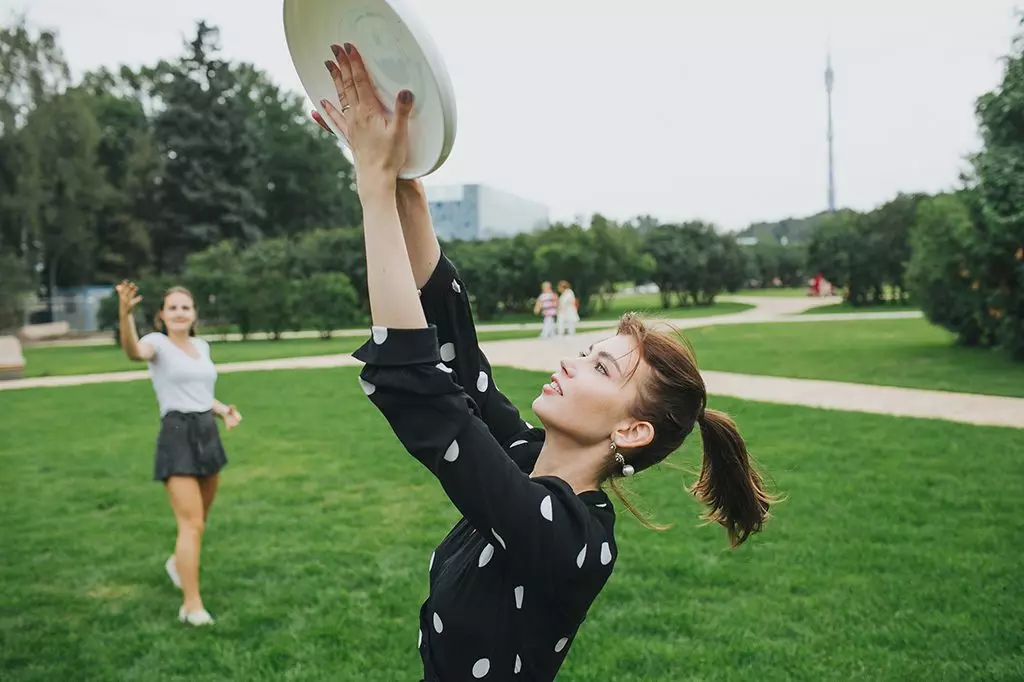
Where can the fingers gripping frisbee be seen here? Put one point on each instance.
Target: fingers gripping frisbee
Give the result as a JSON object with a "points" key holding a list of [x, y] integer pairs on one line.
{"points": [[399, 55]]}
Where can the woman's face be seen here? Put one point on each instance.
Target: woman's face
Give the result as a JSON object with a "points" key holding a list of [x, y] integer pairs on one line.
{"points": [[589, 398], [178, 313]]}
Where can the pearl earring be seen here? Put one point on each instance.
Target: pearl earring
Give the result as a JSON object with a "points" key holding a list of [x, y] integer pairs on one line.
{"points": [[627, 469]]}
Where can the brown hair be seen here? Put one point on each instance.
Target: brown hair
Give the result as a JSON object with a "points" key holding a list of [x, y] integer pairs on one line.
{"points": [[563, 285], [674, 400], [159, 324]]}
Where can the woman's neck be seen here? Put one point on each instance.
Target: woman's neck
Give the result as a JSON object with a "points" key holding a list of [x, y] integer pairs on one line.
{"points": [[576, 464], [180, 338]]}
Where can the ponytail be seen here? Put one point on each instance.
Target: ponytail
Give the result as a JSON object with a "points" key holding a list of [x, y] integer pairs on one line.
{"points": [[728, 484]]}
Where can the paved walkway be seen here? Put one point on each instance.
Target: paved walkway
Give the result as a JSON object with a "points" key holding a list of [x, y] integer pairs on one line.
{"points": [[544, 355]]}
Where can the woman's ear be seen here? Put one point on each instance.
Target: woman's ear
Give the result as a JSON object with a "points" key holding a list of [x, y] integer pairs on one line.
{"points": [[634, 434]]}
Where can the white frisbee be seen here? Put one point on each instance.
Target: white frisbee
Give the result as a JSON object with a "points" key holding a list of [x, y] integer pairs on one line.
{"points": [[399, 54]]}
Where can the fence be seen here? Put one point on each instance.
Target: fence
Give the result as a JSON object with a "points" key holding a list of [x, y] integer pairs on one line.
{"points": [[78, 308]]}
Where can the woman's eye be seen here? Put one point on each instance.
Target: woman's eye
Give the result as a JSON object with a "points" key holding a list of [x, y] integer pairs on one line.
{"points": [[601, 368]]}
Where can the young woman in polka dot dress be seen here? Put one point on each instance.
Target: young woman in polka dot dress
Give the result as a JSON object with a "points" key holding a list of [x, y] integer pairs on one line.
{"points": [[512, 582]]}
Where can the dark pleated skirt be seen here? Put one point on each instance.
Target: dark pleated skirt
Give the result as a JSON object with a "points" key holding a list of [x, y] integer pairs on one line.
{"points": [[188, 445]]}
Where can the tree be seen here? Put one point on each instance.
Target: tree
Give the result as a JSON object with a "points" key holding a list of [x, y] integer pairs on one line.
{"points": [[498, 275], [968, 251], [694, 263], [845, 251], [672, 255], [329, 302], [131, 164], [888, 229], [618, 249], [999, 222], [208, 188], [939, 271], [304, 181], [215, 278], [272, 290], [335, 250], [769, 260], [65, 136], [32, 71]]}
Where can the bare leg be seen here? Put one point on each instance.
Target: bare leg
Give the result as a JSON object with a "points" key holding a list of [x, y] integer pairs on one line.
{"points": [[187, 503], [208, 489]]}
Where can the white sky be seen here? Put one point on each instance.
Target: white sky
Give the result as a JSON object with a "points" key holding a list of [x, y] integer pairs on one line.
{"points": [[683, 109]]}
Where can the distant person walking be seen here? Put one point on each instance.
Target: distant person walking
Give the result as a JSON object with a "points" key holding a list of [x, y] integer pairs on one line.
{"points": [[568, 309], [546, 305]]}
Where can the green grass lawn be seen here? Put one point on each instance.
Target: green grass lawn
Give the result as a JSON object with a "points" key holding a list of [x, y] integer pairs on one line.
{"points": [[66, 360], [894, 557], [910, 353], [844, 307]]}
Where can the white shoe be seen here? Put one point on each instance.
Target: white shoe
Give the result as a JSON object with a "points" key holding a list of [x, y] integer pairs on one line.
{"points": [[172, 571], [201, 617]]}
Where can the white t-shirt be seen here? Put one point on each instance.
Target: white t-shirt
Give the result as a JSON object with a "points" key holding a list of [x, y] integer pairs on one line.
{"points": [[182, 383], [567, 306]]}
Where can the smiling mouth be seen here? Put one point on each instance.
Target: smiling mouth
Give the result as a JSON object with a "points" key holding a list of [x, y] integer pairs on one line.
{"points": [[553, 387]]}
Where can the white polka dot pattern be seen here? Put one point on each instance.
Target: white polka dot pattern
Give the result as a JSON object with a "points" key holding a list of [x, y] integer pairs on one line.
{"points": [[481, 382], [606, 554], [452, 453], [438, 625], [519, 596], [581, 557], [545, 508], [560, 644], [380, 334], [481, 668], [367, 387], [499, 539], [448, 352], [485, 555]]}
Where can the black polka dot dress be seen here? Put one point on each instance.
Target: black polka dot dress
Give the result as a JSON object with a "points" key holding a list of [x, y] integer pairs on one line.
{"points": [[512, 582]]}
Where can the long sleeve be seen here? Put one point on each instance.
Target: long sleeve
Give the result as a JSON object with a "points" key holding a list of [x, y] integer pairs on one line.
{"points": [[542, 525], [446, 304]]}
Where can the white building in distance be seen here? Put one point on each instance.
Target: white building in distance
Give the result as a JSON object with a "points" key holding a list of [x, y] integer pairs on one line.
{"points": [[479, 212]]}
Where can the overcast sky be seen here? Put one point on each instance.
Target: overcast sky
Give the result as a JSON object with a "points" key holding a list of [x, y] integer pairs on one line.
{"points": [[709, 109]]}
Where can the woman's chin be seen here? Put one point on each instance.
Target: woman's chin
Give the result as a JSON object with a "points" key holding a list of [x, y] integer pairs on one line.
{"points": [[544, 406]]}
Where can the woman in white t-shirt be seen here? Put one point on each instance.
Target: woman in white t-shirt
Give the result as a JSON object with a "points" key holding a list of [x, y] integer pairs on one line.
{"points": [[189, 453]]}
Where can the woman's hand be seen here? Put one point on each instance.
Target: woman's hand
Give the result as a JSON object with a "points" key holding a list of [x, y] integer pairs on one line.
{"points": [[407, 188], [379, 141], [127, 298], [231, 416]]}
